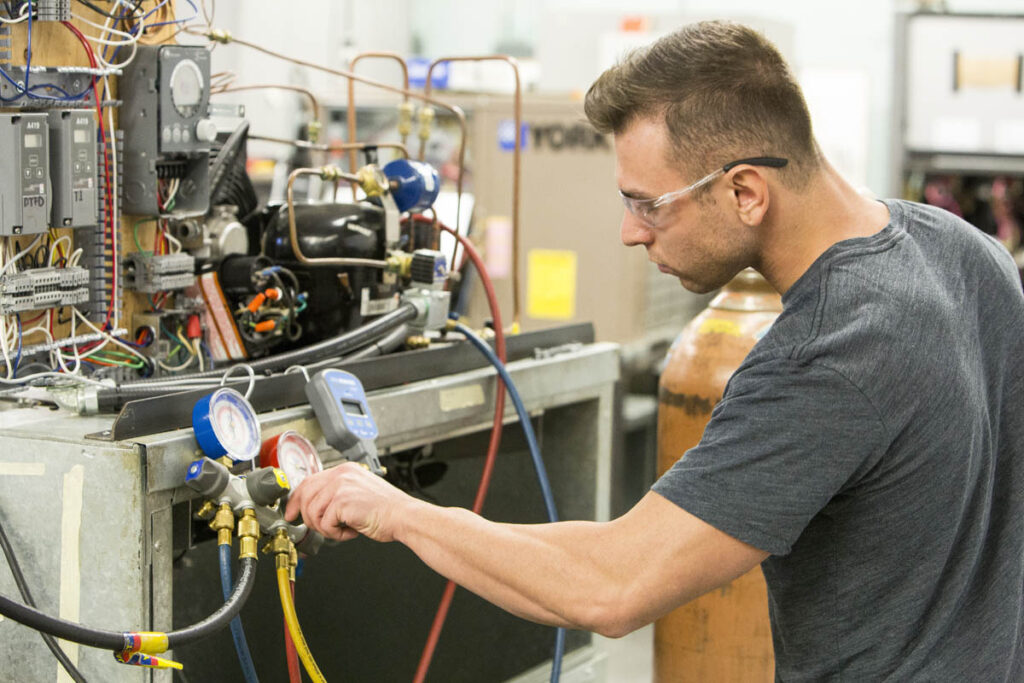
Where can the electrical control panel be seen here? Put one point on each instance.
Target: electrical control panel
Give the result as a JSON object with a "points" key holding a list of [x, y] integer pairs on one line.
{"points": [[168, 134], [73, 168], [25, 183]]}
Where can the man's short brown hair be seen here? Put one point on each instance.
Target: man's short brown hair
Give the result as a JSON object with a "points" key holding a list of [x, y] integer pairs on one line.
{"points": [[724, 92]]}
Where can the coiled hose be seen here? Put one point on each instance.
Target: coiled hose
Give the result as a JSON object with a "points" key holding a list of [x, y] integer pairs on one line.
{"points": [[237, 633], [115, 640]]}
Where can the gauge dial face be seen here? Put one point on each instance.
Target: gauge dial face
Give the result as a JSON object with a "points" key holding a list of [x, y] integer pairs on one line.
{"points": [[235, 424], [297, 456], [187, 88]]}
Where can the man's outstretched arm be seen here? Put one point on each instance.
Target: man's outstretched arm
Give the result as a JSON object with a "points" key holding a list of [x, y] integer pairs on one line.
{"points": [[607, 577]]}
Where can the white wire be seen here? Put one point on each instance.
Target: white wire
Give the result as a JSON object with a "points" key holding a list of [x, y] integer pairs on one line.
{"points": [[199, 354], [175, 243], [18, 256], [172, 191], [176, 368], [75, 257], [248, 369], [108, 27], [53, 247], [110, 30], [21, 17]]}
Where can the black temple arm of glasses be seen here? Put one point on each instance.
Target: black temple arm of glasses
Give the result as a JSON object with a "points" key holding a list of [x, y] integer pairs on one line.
{"points": [[773, 162]]}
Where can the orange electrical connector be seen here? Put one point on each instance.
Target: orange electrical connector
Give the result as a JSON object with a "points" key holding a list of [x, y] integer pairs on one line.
{"points": [[265, 326]]}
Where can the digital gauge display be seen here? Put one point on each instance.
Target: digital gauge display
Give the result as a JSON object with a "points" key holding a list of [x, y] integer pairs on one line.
{"points": [[226, 424], [293, 453]]}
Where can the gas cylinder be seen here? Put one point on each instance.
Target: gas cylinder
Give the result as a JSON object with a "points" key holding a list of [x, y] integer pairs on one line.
{"points": [[724, 635]]}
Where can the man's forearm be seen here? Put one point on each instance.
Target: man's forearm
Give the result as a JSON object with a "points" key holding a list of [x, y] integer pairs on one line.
{"points": [[544, 573]]}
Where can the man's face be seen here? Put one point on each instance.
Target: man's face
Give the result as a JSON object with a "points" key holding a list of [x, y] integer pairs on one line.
{"points": [[693, 238]]}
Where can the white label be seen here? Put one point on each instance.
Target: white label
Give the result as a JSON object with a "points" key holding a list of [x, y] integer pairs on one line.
{"points": [[461, 398]]}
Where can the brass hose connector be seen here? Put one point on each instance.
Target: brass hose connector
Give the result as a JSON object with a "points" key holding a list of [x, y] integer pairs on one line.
{"points": [[224, 523], [426, 122], [405, 112], [282, 548], [293, 561], [248, 534], [331, 173], [206, 511]]}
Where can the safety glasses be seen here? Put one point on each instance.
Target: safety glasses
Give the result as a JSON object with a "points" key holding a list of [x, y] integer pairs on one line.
{"points": [[647, 210]]}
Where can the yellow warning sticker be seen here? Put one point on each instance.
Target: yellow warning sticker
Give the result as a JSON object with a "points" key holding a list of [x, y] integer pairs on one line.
{"points": [[719, 326], [551, 284]]}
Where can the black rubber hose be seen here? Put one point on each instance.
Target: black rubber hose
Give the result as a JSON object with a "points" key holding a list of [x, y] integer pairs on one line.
{"points": [[114, 640], [26, 595], [386, 344], [335, 346]]}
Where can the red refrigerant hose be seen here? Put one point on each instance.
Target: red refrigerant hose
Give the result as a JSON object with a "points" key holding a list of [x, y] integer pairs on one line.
{"points": [[492, 447]]}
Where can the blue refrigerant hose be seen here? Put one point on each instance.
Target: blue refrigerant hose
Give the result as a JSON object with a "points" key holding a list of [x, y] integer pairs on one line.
{"points": [[538, 464], [237, 634]]}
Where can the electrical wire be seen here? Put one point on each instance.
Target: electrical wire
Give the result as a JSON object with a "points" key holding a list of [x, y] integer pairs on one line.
{"points": [[237, 633], [492, 447], [26, 595], [538, 464], [292, 620]]}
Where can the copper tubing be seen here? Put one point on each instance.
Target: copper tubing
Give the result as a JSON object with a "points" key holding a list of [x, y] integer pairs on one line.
{"points": [[518, 116], [352, 162], [293, 232], [340, 147], [460, 116], [318, 112]]}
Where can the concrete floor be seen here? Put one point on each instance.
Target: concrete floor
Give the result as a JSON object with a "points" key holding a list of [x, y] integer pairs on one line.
{"points": [[630, 659]]}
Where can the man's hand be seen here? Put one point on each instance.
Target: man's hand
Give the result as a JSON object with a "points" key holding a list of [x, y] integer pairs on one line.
{"points": [[347, 501]]}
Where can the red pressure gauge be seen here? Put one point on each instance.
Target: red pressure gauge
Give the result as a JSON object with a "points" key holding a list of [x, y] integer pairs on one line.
{"points": [[293, 453]]}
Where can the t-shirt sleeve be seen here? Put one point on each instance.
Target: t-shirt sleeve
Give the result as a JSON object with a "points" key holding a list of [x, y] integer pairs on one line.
{"points": [[786, 438]]}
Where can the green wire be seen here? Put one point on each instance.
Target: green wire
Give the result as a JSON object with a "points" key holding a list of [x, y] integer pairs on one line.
{"points": [[136, 234]]}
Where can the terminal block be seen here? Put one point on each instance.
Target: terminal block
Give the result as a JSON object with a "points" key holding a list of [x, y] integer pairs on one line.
{"points": [[150, 274], [41, 288]]}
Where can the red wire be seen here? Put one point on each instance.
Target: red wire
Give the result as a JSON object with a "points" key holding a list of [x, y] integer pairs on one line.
{"points": [[294, 676], [492, 447], [109, 199]]}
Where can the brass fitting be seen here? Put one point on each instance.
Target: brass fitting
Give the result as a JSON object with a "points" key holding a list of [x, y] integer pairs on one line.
{"points": [[417, 341], [219, 35], [206, 511], [426, 122], [372, 181], [223, 523], [330, 173], [282, 548], [450, 325], [313, 129], [405, 110], [248, 534], [293, 561], [400, 262]]}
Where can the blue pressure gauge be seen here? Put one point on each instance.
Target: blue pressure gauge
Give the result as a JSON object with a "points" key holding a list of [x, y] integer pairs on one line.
{"points": [[226, 424], [340, 404]]}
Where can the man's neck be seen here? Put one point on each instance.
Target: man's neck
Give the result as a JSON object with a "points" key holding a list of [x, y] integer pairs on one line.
{"points": [[807, 223]]}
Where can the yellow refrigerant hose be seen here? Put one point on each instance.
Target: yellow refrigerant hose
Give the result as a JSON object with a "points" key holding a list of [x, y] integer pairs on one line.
{"points": [[288, 607]]}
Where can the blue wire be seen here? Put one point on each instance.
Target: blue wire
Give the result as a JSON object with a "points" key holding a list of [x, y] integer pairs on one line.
{"points": [[209, 356], [17, 359], [27, 90], [28, 49], [538, 464], [237, 634]]}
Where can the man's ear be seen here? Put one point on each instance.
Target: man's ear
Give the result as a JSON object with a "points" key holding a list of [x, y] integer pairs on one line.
{"points": [[750, 195]]}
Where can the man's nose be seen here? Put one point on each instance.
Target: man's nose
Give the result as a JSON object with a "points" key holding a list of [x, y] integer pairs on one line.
{"points": [[633, 231]]}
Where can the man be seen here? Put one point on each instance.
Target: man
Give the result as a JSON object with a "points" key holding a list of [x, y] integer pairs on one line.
{"points": [[869, 452]]}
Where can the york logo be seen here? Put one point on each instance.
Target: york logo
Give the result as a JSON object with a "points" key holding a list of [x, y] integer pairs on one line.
{"points": [[558, 137]]}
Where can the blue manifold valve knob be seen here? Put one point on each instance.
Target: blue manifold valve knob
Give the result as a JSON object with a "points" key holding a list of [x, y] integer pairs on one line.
{"points": [[226, 424], [417, 184]]}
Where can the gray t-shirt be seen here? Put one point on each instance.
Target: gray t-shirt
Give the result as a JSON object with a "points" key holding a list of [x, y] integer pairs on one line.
{"points": [[873, 443]]}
